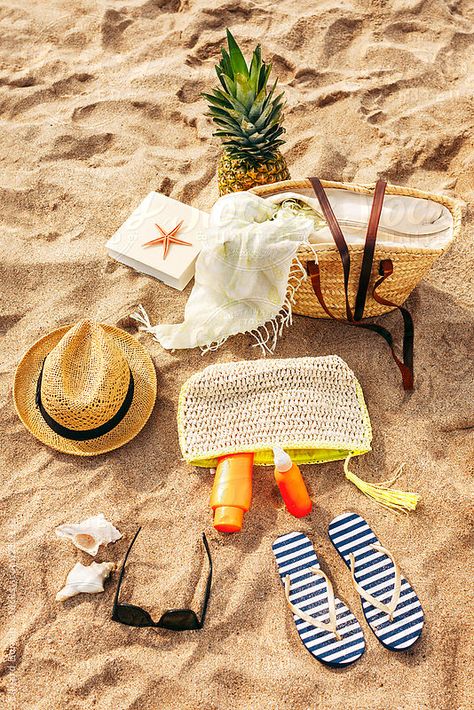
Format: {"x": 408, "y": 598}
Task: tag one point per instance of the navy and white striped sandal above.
{"x": 390, "y": 605}
{"x": 327, "y": 628}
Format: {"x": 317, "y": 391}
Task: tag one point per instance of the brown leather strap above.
{"x": 386, "y": 267}
{"x": 312, "y": 269}
{"x": 386, "y": 270}
{"x": 369, "y": 248}
{"x": 338, "y": 237}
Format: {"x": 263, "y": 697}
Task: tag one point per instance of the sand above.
{"x": 100, "y": 104}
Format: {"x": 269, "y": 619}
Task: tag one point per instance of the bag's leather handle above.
{"x": 338, "y": 237}
{"x": 369, "y": 248}
{"x": 406, "y": 365}
{"x": 386, "y": 269}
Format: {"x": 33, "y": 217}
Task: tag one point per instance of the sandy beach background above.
{"x": 99, "y": 104}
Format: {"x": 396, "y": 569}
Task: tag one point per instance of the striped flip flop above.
{"x": 327, "y": 628}
{"x": 391, "y": 607}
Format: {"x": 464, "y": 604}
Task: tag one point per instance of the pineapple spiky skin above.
{"x": 236, "y": 174}
{"x": 248, "y": 114}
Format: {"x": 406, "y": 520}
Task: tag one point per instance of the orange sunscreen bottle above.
{"x": 291, "y": 484}
{"x": 232, "y": 491}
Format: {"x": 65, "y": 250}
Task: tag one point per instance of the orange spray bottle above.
{"x": 291, "y": 484}
{"x": 232, "y": 491}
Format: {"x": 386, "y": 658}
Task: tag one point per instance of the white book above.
{"x": 175, "y": 266}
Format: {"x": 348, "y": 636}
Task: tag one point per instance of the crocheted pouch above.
{"x": 313, "y": 407}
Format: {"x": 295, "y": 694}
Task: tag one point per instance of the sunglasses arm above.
{"x": 209, "y": 581}
{"x": 122, "y": 571}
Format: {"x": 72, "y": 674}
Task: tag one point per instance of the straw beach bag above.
{"x": 367, "y": 260}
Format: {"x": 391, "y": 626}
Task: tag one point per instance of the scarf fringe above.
{"x": 141, "y": 316}
{"x": 212, "y": 347}
{"x": 284, "y": 318}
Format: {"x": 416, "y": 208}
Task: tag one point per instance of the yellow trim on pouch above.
{"x": 264, "y": 456}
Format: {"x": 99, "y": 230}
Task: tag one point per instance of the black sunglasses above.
{"x": 172, "y": 619}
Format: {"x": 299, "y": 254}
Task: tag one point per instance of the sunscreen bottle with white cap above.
{"x": 291, "y": 484}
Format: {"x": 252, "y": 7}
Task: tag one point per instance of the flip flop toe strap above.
{"x": 388, "y": 608}
{"x": 330, "y": 625}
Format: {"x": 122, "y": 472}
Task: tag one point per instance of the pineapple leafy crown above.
{"x": 246, "y": 111}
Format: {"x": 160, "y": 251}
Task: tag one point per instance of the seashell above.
{"x": 84, "y": 579}
{"x": 90, "y": 534}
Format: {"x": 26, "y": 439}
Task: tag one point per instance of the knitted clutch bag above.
{"x": 313, "y": 407}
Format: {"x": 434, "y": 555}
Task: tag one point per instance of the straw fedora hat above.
{"x": 85, "y": 389}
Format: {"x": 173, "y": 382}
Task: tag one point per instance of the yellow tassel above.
{"x": 400, "y": 501}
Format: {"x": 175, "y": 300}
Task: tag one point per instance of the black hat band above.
{"x": 85, "y": 434}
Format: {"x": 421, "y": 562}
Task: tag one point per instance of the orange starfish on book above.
{"x": 167, "y": 238}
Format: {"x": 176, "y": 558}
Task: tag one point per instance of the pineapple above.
{"x": 248, "y": 116}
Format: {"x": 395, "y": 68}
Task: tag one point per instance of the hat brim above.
{"x": 144, "y": 375}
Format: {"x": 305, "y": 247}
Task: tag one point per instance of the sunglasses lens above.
{"x": 180, "y": 620}
{"x": 132, "y": 615}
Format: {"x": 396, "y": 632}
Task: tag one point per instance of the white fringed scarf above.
{"x": 247, "y": 274}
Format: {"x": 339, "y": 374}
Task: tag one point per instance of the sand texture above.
{"x": 100, "y": 103}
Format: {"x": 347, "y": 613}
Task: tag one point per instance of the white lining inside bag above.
{"x": 405, "y": 221}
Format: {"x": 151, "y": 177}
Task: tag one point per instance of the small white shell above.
{"x": 90, "y": 534}
{"x": 85, "y": 580}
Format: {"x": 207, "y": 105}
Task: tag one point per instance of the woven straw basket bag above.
{"x": 362, "y": 267}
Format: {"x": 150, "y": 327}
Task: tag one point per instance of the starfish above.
{"x": 167, "y": 238}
